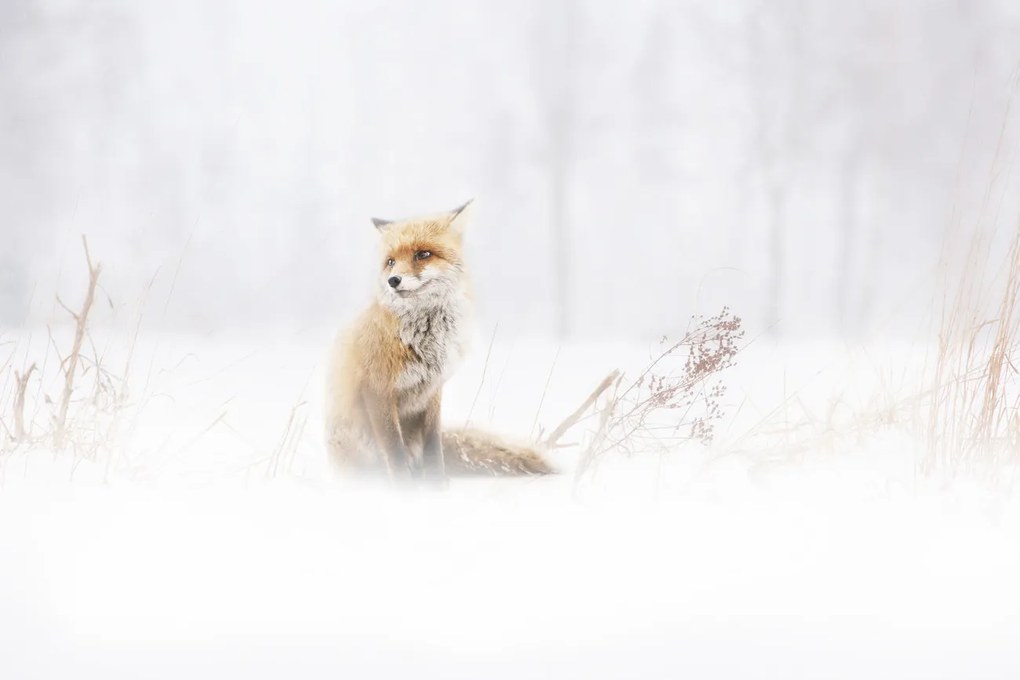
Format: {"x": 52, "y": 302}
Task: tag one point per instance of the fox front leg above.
{"x": 382, "y": 415}
{"x": 422, "y": 438}
{"x": 432, "y": 447}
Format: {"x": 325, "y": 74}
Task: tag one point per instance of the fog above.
{"x": 634, "y": 163}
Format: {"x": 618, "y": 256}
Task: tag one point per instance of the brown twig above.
{"x": 571, "y": 420}
{"x": 21, "y": 381}
{"x": 81, "y": 322}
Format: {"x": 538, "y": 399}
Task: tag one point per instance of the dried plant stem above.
{"x": 21, "y": 384}
{"x": 81, "y": 323}
{"x": 663, "y": 397}
{"x": 571, "y": 420}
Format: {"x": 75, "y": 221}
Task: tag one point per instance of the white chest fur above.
{"x": 436, "y": 336}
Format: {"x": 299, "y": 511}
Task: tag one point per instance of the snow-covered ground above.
{"x": 210, "y": 539}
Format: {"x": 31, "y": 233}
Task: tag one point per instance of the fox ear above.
{"x": 381, "y": 224}
{"x": 459, "y": 217}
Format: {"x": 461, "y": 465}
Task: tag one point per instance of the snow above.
{"x": 800, "y": 545}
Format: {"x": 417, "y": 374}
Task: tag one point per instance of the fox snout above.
{"x": 404, "y": 282}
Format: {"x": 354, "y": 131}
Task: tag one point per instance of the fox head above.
{"x": 421, "y": 262}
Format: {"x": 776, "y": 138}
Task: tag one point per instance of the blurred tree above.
{"x": 22, "y": 142}
{"x": 552, "y": 69}
{"x": 775, "y": 75}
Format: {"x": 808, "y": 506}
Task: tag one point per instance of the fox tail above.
{"x": 472, "y": 452}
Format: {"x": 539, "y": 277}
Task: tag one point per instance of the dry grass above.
{"x": 972, "y": 421}
{"x": 58, "y": 395}
{"x": 973, "y": 416}
{"x": 85, "y": 413}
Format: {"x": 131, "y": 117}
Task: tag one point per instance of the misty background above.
{"x": 634, "y": 163}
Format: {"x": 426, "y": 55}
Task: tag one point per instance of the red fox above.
{"x": 387, "y": 371}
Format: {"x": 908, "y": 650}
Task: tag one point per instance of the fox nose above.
{"x": 394, "y": 281}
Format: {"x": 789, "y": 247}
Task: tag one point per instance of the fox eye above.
{"x": 423, "y": 254}
{"x": 390, "y": 262}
